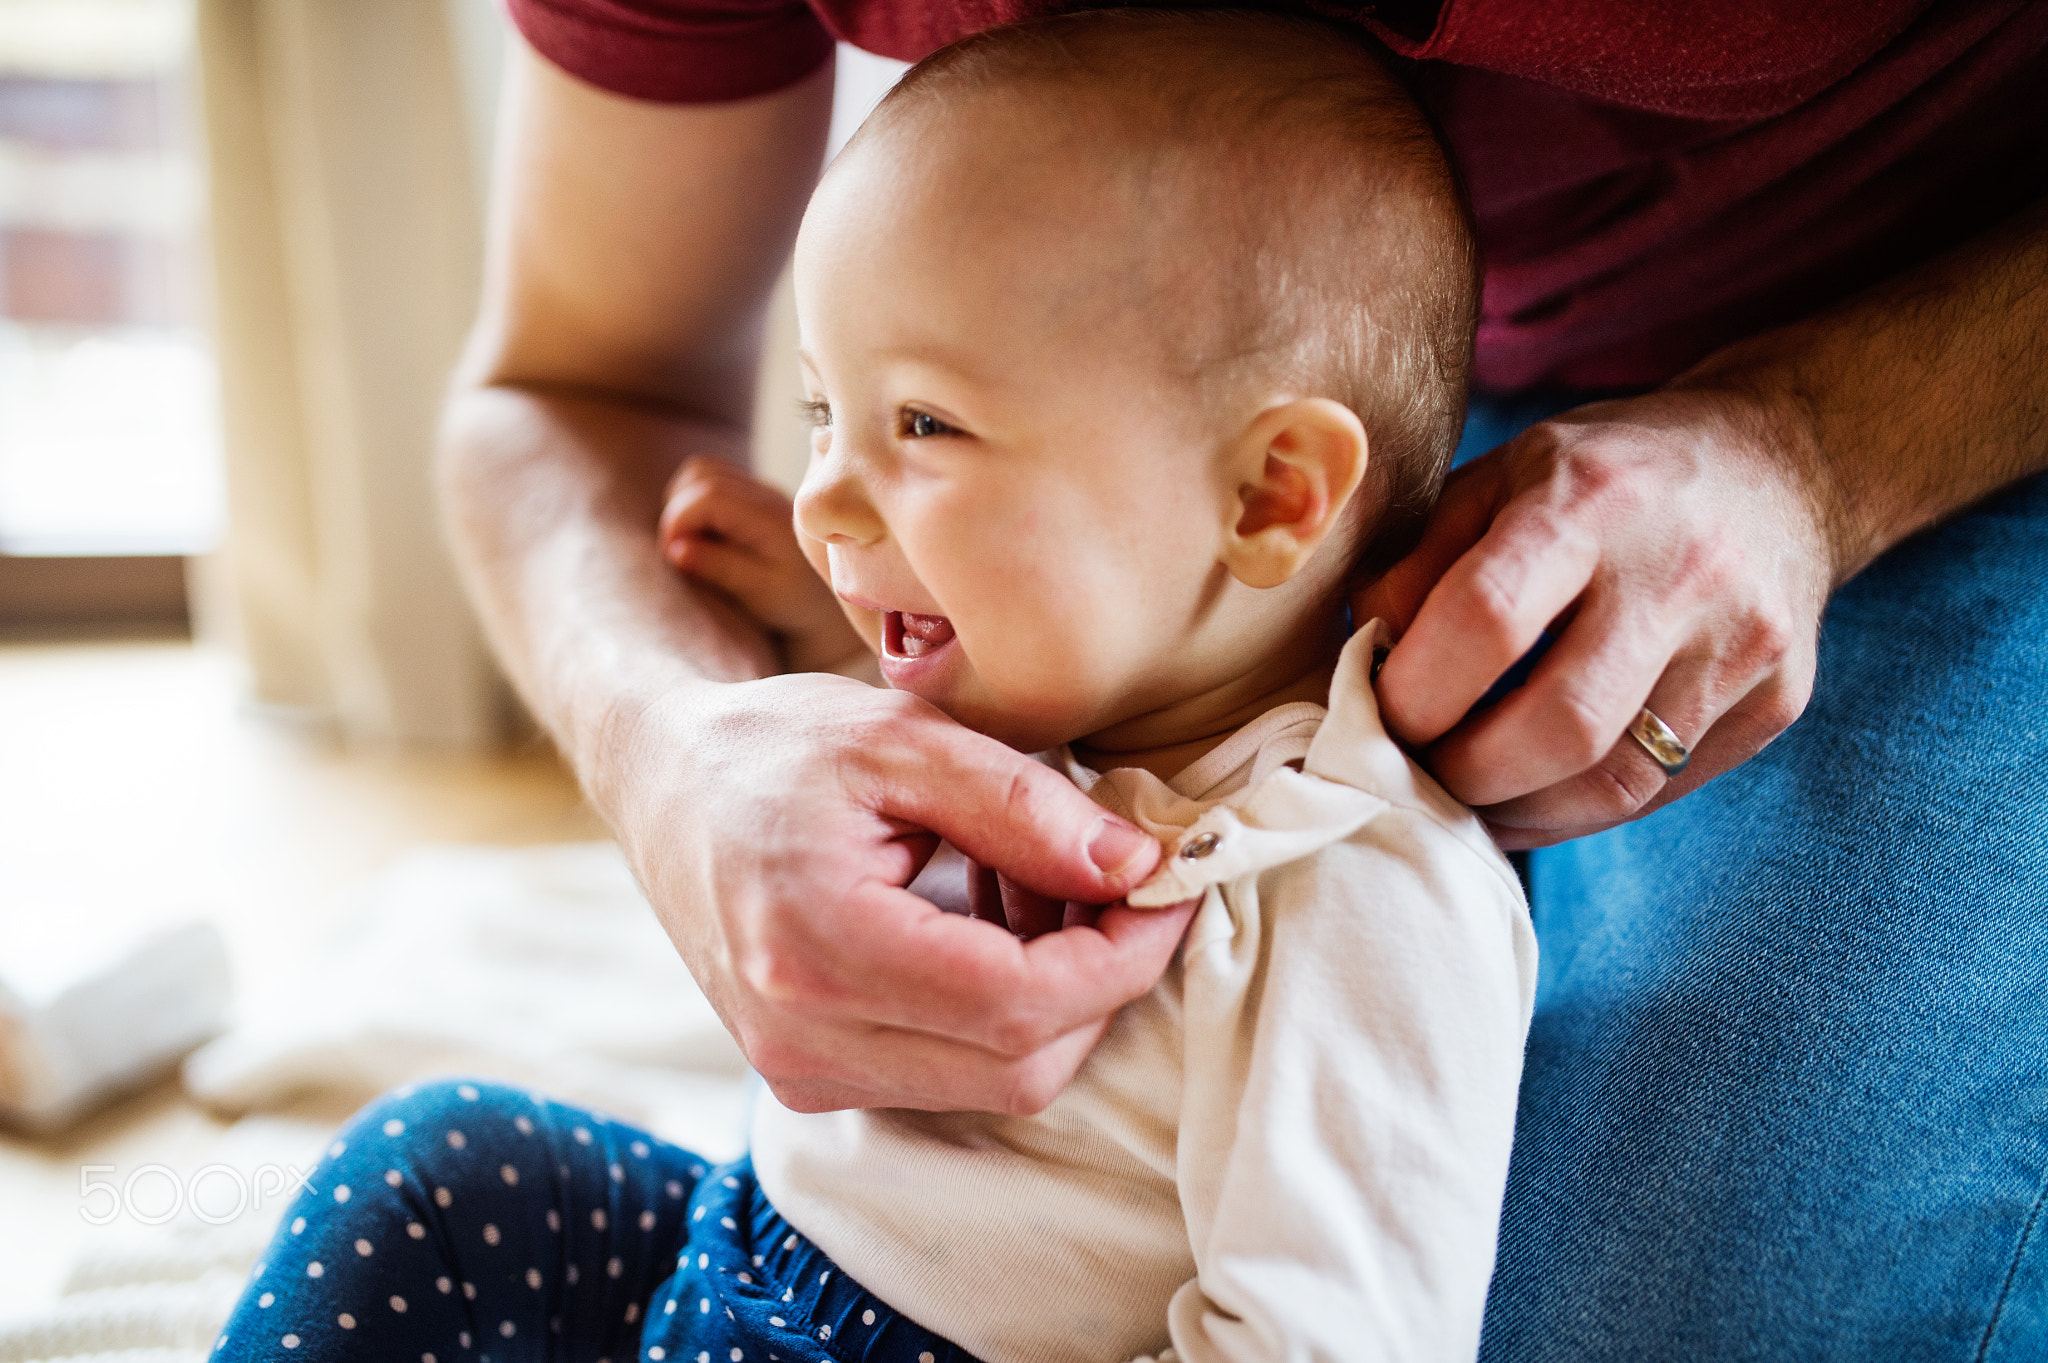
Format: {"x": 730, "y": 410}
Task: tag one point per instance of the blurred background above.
{"x": 257, "y": 771}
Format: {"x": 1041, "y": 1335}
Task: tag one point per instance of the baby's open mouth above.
{"x": 913, "y": 636}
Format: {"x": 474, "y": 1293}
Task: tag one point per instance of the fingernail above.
{"x": 1114, "y": 845}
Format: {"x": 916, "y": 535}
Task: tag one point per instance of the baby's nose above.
{"x": 833, "y": 507}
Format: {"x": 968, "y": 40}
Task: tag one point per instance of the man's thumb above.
{"x": 1020, "y": 818}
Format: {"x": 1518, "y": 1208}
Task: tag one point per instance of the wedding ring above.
{"x": 1659, "y": 742}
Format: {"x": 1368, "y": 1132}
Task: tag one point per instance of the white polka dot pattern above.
{"x": 538, "y": 1298}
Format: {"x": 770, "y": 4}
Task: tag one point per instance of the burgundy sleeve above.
{"x": 677, "y": 51}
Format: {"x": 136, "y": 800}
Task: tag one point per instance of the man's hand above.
{"x": 776, "y": 824}
{"x": 1682, "y": 544}
{"x": 1693, "y": 568}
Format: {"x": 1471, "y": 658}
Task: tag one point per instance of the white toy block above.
{"x": 79, "y": 1026}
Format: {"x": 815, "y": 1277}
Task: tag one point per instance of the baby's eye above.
{"x": 816, "y": 411}
{"x": 923, "y": 425}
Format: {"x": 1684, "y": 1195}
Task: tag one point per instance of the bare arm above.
{"x": 773, "y": 821}
{"x": 1695, "y": 533}
{"x": 620, "y": 332}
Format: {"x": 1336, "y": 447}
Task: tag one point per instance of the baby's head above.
{"x": 1127, "y": 334}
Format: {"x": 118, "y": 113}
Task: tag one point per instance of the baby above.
{"x": 1129, "y": 337}
{"x": 1122, "y": 334}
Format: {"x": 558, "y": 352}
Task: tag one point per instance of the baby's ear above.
{"x": 1296, "y": 466}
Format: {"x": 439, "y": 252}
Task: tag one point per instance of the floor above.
{"x": 137, "y": 788}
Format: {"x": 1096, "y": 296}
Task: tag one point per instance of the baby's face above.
{"x": 1015, "y": 501}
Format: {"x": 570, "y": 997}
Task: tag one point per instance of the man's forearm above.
{"x": 552, "y": 502}
{"x": 1914, "y": 399}
{"x": 633, "y": 248}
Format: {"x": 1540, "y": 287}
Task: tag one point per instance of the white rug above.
{"x": 159, "y": 1295}
{"x": 542, "y": 967}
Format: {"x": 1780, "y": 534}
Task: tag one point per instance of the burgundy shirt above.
{"x": 1650, "y": 180}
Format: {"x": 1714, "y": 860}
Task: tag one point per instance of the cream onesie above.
{"x": 1293, "y": 1147}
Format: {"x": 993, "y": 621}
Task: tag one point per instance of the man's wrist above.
{"x": 1763, "y": 399}
{"x": 613, "y": 730}
{"x": 1913, "y": 400}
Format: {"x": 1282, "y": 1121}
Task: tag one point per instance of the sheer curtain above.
{"x": 345, "y": 147}
{"x": 348, "y": 142}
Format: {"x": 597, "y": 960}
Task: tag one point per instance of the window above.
{"x": 109, "y": 445}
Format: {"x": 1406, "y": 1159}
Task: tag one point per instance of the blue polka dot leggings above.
{"x": 473, "y": 1223}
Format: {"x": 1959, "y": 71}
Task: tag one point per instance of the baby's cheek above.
{"x": 1055, "y": 665}
{"x": 867, "y": 624}
{"x": 814, "y": 554}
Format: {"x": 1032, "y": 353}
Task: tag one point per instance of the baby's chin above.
{"x": 1007, "y": 724}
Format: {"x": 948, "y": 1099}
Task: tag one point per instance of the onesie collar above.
{"x": 1314, "y": 775}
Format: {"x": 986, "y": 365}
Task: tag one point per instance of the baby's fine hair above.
{"x": 1306, "y": 228}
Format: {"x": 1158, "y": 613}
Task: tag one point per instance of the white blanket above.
{"x": 540, "y": 966}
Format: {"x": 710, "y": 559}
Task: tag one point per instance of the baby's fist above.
{"x": 724, "y": 527}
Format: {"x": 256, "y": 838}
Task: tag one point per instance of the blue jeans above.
{"x": 470, "y": 1222}
{"x": 1787, "y": 1085}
